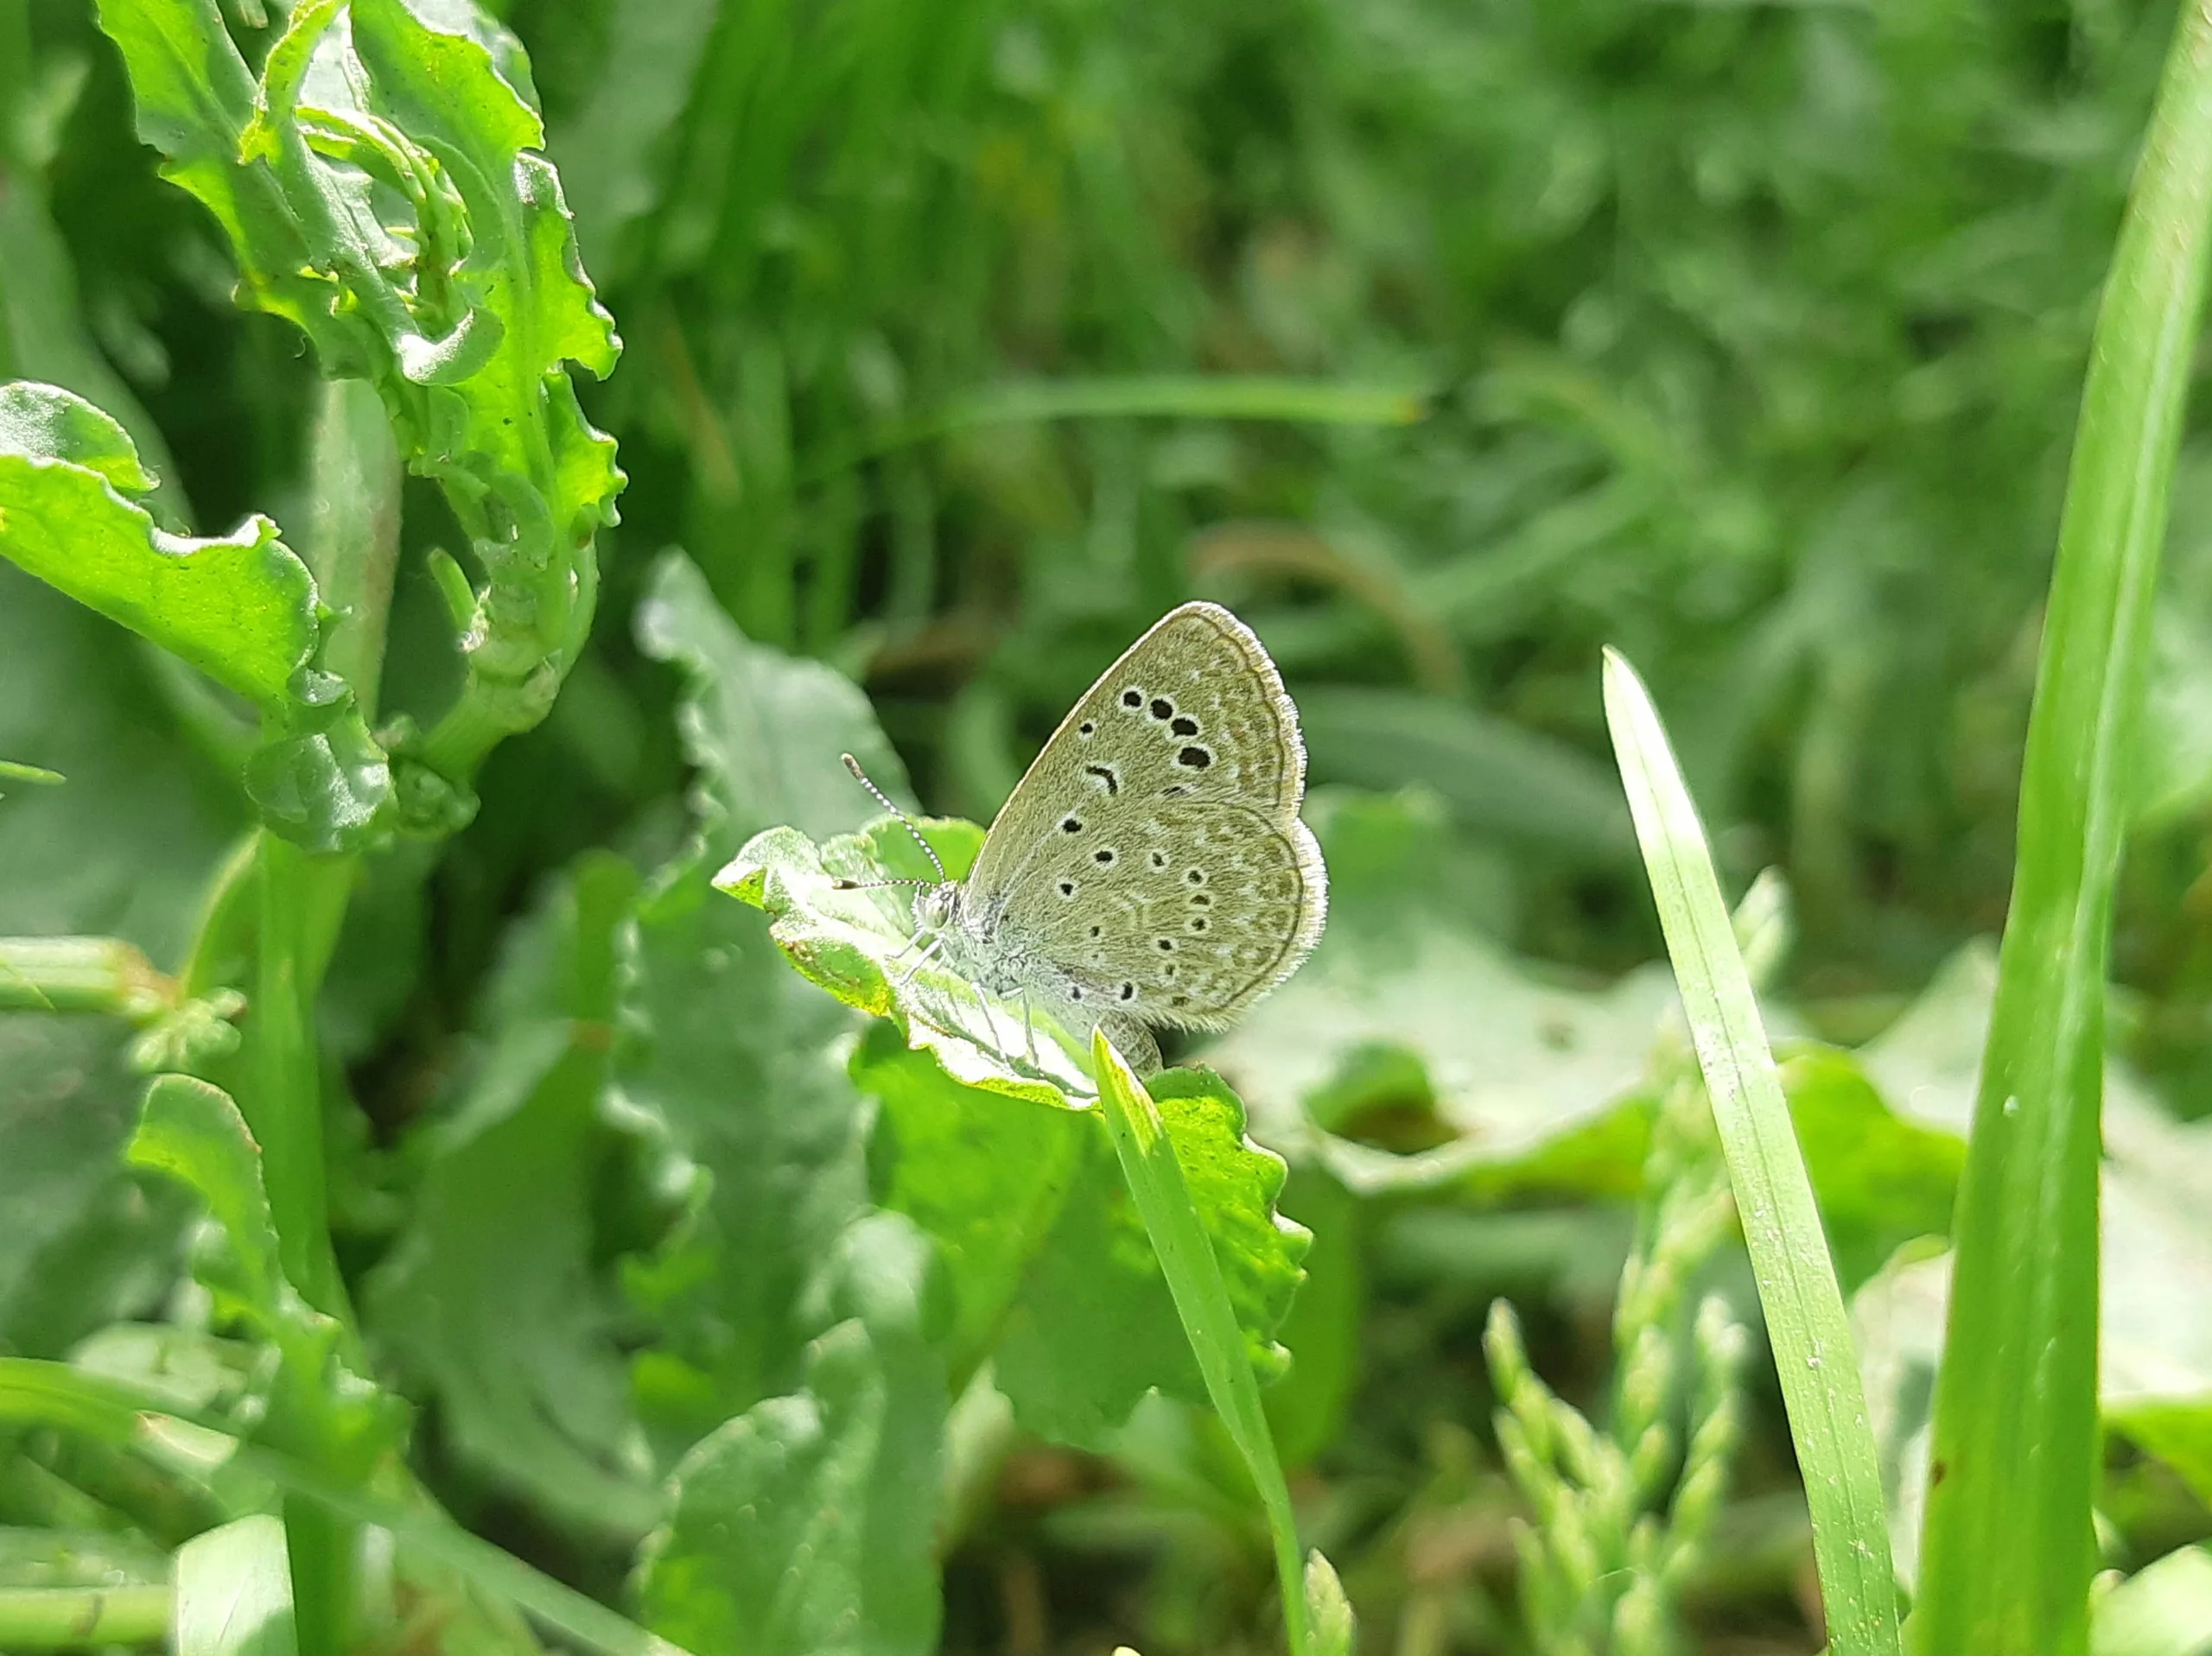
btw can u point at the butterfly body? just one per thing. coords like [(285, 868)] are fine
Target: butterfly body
[(1150, 869)]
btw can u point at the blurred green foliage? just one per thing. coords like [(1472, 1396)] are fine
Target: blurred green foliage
[(1745, 338)]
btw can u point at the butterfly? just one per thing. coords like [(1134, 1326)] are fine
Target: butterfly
[(1150, 870)]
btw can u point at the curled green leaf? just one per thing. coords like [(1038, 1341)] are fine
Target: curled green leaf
[(861, 945), (240, 607)]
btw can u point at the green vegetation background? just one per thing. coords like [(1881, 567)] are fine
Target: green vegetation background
[(1749, 342)]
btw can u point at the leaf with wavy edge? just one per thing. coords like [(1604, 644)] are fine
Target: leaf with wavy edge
[(240, 607), (860, 946)]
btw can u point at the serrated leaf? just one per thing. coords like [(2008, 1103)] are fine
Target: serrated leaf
[(807, 1524), (242, 607), (1053, 1276), (380, 187), (492, 1293)]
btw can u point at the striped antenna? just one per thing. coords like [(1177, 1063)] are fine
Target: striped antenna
[(906, 821)]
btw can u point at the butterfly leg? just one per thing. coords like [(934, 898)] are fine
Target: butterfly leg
[(922, 960), (1028, 1030)]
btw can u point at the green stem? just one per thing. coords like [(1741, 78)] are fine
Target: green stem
[(352, 545), (82, 975), (1186, 1259), (283, 1107), (75, 1618)]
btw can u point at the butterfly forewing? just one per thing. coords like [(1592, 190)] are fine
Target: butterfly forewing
[(1152, 857)]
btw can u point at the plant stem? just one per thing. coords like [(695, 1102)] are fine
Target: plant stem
[(82, 975), (74, 1618), (1163, 1199)]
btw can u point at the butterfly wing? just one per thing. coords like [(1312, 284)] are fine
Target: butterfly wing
[(1153, 854)]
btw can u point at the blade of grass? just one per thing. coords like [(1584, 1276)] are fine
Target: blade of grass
[(1175, 397), (2006, 1549), (1163, 1200), (1813, 1352)]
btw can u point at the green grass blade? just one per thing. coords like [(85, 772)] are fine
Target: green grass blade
[(1186, 1259), (1191, 397), (1812, 1351), (1164, 397), (2006, 1547)]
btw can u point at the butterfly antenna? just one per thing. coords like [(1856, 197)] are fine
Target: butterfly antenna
[(906, 822)]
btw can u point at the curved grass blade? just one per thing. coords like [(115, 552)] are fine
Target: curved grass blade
[(1812, 1351)]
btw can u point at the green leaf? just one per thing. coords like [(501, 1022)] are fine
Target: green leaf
[(2163, 1609), (859, 944), (43, 327), (609, 149), (193, 1133), (2155, 1366), (741, 1063), (1371, 1040), (2007, 1550), (380, 186), (765, 729), (986, 1177), (1812, 1351), (1308, 1407), (492, 1293), (1051, 1275), (807, 1523), (83, 1242), (234, 1592), (241, 608), (1880, 1178), (119, 851)]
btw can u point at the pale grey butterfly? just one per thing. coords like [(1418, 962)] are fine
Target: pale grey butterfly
[(1150, 870)]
